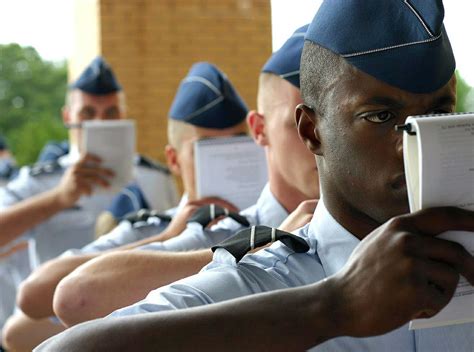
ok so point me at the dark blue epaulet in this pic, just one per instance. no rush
(151, 164)
(53, 151)
(45, 168)
(144, 214)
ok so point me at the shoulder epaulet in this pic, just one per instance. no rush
(45, 168)
(253, 237)
(7, 169)
(151, 164)
(144, 214)
(53, 151)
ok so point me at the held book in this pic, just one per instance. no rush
(439, 169)
(231, 168)
(114, 142)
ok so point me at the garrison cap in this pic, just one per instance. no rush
(206, 98)
(402, 43)
(130, 199)
(285, 62)
(97, 79)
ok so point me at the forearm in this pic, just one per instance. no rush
(163, 236)
(35, 295)
(117, 280)
(286, 320)
(21, 217)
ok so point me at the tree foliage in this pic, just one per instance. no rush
(465, 95)
(31, 97)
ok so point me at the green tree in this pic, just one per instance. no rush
(463, 94)
(31, 97)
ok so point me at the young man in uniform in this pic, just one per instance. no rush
(371, 267)
(46, 204)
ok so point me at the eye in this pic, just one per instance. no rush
(87, 113)
(379, 117)
(112, 113)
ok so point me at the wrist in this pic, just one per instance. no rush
(330, 304)
(59, 199)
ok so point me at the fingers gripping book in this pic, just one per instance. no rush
(114, 142)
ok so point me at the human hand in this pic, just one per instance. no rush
(81, 179)
(178, 224)
(401, 271)
(300, 216)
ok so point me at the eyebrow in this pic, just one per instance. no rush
(385, 101)
(444, 100)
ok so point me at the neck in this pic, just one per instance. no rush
(353, 220)
(285, 193)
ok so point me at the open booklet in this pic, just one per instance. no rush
(114, 142)
(439, 168)
(231, 168)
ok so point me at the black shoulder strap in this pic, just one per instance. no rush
(207, 213)
(258, 236)
(144, 214)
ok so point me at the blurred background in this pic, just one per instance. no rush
(151, 44)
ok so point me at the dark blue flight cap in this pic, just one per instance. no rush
(97, 79)
(206, 98)
(402, 43)
(285, 62)
(130, 199)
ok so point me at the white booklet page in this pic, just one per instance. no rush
(439, 165)
(232, 168)
(114, 142)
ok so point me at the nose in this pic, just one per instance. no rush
(399, 144)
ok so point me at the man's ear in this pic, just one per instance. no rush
(256, 124)
(172, 160)
(307, 125)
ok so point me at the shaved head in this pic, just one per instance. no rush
(320, 71)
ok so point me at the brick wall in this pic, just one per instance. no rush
(152, 43)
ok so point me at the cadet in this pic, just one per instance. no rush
(370, 267)
(44, 203)
(153, 188)
(204, 85)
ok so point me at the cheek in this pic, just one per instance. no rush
(187, 167)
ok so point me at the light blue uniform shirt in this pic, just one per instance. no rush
(13, 270)
(267, 211)
(70, 228)
(126, 232)
(278, 267)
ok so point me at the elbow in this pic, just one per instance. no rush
(73, 300)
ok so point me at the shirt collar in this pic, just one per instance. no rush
(332, 242)
(269, 211)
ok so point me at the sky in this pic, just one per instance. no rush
(46, 25)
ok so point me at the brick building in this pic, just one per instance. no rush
(152, 43)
